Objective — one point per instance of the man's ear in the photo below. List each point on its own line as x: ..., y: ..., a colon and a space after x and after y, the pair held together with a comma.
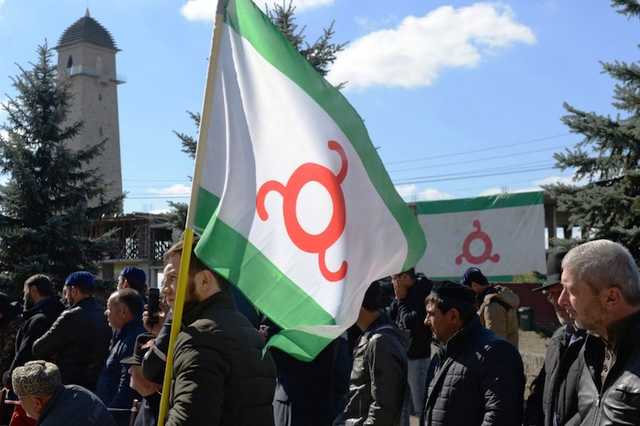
x: 452, y: 315
x: 611, y: 298
x: 206, y: 282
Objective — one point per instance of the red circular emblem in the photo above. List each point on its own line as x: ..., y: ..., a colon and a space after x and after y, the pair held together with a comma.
x: 311, y: 243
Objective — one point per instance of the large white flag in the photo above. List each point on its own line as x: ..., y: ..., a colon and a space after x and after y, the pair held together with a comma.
x: 503, y: 235
x: 306, y: 216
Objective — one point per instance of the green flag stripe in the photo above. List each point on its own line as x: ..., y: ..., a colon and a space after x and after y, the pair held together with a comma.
x: 480, y: 203
x: 268, y: 288
x: 206, y: 205
x: 249, y: 22
x: 298, y: 344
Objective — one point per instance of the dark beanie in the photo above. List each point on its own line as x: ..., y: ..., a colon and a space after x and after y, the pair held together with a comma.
x: 475, y: 275
x: 134, y: 275
x: 84, y: 280
x: 447, y: 290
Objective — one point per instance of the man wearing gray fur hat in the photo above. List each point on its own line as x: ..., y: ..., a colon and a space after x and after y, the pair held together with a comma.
x: 39, y: 386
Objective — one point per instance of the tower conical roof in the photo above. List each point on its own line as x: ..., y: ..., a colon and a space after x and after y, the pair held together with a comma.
x: 87, y: 29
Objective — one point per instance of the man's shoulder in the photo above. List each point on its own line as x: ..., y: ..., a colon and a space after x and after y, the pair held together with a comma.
x: 488, y: 343
x: 216, y: 327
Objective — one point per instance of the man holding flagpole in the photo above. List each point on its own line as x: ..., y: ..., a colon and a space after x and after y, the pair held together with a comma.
x: 220, y: 375
x: 290, y: 199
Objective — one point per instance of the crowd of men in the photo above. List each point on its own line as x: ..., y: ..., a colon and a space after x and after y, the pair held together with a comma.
x: 85, y: 364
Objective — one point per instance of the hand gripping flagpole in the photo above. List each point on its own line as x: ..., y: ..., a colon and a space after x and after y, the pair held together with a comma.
x: 185, y: 258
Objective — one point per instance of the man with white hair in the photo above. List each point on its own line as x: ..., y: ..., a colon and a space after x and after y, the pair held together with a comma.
x: 601, y: 291
x: 38, y: 385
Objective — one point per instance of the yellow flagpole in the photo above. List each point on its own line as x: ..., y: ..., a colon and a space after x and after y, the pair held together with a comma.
x: 185, y: 259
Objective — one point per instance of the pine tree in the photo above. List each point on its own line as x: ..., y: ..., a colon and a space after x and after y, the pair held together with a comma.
x: 608, y: 159
x: 321, y: 55
x: 51, y: 195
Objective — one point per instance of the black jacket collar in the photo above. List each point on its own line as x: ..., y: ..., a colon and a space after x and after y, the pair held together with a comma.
x: 220, y: 300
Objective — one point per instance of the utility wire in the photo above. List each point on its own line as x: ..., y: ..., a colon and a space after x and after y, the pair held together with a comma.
x: 431, y: 180
x: 474, y: 151
x: 495, y: 157
x: 505, y: 168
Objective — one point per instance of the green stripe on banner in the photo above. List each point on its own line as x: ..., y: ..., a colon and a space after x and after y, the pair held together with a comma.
x: 267, y: 287
x: 480, y: 203
x: 206, y: 205
x: 255, y: 27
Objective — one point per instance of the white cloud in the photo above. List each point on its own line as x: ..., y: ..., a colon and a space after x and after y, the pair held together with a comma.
x: 204, y: 10
x: 550, y: 180
x: 415, y: 52
x: 492, y: 191
x: 432, y: 194
x: 407, y: 192
x: 177, y: 189
x: 412, y: 193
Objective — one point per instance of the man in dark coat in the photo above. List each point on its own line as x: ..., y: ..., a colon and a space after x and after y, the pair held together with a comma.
x: 78, y: 340
x: 553, y: 399
x: 407, y: 311
x: 379, y: 372
x: 220, y: 375
x: 308, y: 393
x: 41, y: 308
x: 476, y: 378
x: 124, y: 314
x: 44, y: 398
x: 601, y: 291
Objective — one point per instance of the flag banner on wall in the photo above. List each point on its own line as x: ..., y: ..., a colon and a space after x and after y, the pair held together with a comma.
x: 503, y: 235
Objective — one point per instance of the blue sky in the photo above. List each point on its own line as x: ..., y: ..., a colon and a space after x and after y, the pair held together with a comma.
x: 451, y: 91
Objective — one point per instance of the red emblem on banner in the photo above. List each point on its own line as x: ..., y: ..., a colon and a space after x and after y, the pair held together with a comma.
x: 477, y: 234
x: 312, y: 243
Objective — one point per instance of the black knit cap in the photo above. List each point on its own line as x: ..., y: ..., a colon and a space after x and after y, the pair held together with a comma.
x: 447, y: 290
x: 475, y: 275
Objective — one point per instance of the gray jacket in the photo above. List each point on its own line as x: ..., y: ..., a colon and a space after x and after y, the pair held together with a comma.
x: 73, y: 405
x: 378, y: 376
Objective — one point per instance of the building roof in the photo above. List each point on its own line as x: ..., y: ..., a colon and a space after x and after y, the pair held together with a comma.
x: 88, y: 30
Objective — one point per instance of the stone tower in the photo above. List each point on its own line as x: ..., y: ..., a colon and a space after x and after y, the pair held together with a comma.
x: 87, y: 58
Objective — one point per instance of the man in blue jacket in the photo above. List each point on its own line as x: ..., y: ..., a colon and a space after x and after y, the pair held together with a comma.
x: 124, y: 313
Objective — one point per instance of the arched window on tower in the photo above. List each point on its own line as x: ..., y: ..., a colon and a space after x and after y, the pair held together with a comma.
x: 69, y: 64
x: 99, y: 66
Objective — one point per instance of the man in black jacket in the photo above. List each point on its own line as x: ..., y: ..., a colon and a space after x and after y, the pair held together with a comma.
x: 553, y: 399
x: 41, y: 308
x: 78, y: 340
x: 475, y: 378
x: 407, y: 311
x: 220, y: 375
x: 601, y: 290
x: 379, y: 372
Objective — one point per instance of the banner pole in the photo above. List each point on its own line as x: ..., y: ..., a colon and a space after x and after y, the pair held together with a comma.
x: 188, y: 235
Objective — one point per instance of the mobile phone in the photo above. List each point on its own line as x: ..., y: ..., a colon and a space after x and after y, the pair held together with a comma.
x: 153, y: 305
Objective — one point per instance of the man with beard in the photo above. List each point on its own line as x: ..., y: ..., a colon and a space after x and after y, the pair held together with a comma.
x: 601, y: 291
x: 41, y: 308
x: 554, y: 392
x: 220, y: 374
x: 79, y: 339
